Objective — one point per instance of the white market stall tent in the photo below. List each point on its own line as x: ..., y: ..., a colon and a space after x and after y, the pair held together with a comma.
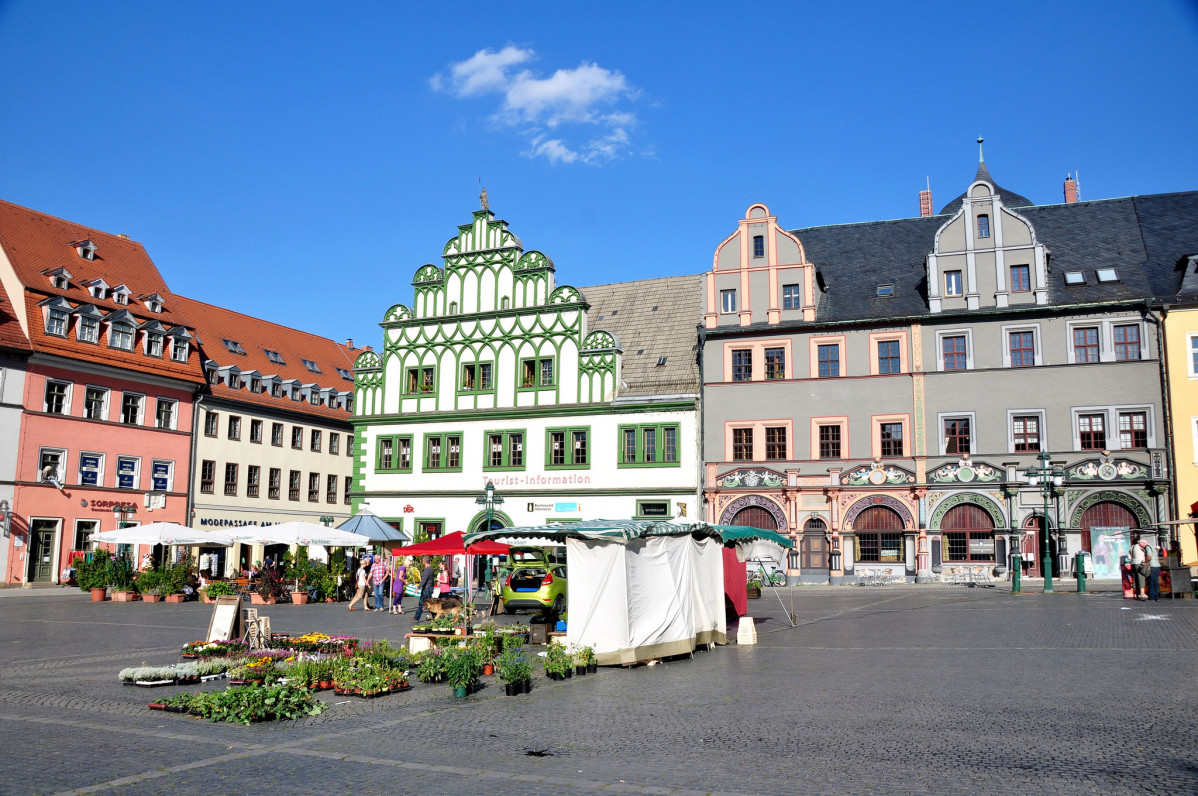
x: 639, y: 590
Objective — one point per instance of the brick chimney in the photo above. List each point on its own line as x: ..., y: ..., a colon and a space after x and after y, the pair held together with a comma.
x: 1070, y: 189
x: 925, y: 201
x: 349, y: 343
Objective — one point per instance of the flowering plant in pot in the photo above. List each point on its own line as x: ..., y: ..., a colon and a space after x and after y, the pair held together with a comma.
x: 432, y: 665
x: 268, y: 589
x: 462, y: 668
x: 557, y: 662
x: 217, y: 588
x: 584, y: 659
x: 515, y: 670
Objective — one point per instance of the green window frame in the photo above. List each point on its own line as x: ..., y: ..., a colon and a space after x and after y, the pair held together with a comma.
x: 568, y: 448
x: 421, y: 380
x: 393, y: 453
x: 538, y: 373
x: 476, y: 377
x: 648, y: 445
x: 443, y: 452
x: 505, y: 450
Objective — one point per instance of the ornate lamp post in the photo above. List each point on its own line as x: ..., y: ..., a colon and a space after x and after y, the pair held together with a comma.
x: 1047, y: 479
x: 489, y: 499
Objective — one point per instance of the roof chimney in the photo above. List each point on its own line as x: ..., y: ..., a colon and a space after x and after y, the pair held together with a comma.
x: 925, y: 201
x: 349, y: 343
x: 1070, y: 189
x: 122, y: 236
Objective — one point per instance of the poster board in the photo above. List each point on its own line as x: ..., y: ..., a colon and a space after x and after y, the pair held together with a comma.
x: 226, y: 619
x: 1108, y: 545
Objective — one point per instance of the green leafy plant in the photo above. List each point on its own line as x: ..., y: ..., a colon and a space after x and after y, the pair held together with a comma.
x: 584, y: 655
x: 121, y: 574
x: 557, y: 659
x: 149, y: 581
x: 91, y: 571
x: 514, y: 665
x: 432, y: 665
x: 218, y: 588
x: 462, y: 667
x: 246, y: 704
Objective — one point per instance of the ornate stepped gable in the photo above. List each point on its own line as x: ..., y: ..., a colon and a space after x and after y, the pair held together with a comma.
x: 489, y: 329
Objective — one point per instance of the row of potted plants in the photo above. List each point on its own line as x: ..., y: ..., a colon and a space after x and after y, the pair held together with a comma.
x: 246, y: 704
x: 561, y: 662
x: 175, y: 673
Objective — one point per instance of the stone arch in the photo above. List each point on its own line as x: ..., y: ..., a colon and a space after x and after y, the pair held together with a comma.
x: 981, y: 501
x: 1111, y: 496
x: 879, y: 500
x: 754, y: 500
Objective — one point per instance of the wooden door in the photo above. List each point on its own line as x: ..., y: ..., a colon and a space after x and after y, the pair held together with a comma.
x: 813, y: 551
x: 41, y: 550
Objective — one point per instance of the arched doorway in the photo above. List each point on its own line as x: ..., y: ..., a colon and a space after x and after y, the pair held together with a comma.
x: 1106, y: 515
x: 968, y: 533
x: 879, y: 532
x: 813, y: 547
x: 755, y: 517
x: 1033, y: 546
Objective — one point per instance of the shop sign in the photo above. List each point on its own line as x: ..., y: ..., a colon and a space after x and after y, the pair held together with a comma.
x: 553, y: 508
x: 161, y: 475
x: 126, y: 473
x: 655, y: 509
x: 89, y: 470
x: 982, y: 548
x: 220, y: 522
x: 109, y: 505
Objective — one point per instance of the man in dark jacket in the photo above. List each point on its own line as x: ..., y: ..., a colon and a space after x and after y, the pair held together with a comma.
x: 428, y: 579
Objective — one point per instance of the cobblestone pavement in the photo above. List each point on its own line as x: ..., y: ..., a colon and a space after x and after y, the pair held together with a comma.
x: 930, y: 689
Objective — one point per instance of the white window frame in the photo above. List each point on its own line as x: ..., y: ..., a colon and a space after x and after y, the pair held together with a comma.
x: 941, y: 334
x: 1106, y: 338
x: 116, y: 481
x: 961, y: 292
x: 91, y: 324
x: 1112, y: 423
x: 1034, y: 328
x: 170, y: 478
x: 99, y: 470
x: 973, y: 430
x: 66, y: 400
x: 1094, y: 323
x: 1192, y: 354
x: 61, y: 472
x: 179, y: 350
x: 106, y: 407
x: 1038, y: 413
x: 141, y: 408
x: 1074, y: 421
x: 174, y: 424
x: 724, y: 295
x: 1149, y: 422
x: 50, y: 318
x: 1194, y: 438
x: 150, y: 338
x: 112, y: 333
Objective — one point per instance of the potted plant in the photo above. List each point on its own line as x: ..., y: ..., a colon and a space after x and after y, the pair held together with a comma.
x: 584, y: 658
x: 432, y: 665
x: 174, y: 578
x: 298, y: 573
x: 266, y: 591
x: 753, y: 588
x: 557, y: 662
x: 91, y: 573
x: 462, y: 670
x: 120, y: 579
x: 217, y: 588
x: 515, y: 670
x: 149, y: 583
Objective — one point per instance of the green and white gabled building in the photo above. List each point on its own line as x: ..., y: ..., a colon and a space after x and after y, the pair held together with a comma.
x: 575, y: 403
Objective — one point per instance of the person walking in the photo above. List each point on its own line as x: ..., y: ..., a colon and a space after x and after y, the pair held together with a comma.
x: 427, y: 578
x: 362, y: 577
x: 443, y: 581
x: 378, y: 579
x: 1154, y: 570
x: 399, y: 579
x: 1142, y: 557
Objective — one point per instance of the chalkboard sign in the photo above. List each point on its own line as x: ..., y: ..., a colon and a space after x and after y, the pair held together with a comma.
x: 226, y: 619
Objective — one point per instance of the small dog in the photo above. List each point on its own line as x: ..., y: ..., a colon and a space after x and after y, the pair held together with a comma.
x: 443, y: 605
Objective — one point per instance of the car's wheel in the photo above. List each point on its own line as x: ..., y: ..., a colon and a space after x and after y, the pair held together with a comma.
x: 508, y: 609
x: 559, y: 604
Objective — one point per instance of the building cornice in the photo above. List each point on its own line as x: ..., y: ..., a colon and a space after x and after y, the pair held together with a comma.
x: 524, y: 412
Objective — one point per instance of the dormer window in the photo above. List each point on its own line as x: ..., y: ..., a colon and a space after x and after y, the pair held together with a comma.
x: 295, y: 393
x: 179, y: 350
x: 983, y: 226
x: 255, y: 385
x: 120, y: 294
x: 154, y: 344
x: 85, y: 249
x: 349, y: 403
x: 56, y: 322
x: 233, y: 347
x: 274, y: 356
x: 234, y: 381
x: 153, y: 302
x: 276, y: 390
x: 310, y: 365
x: 88, y: 330
x: 314, y: 398
x: 120, y: 336
x: 98, y: 288
x: 345, y: 374
x: 213, y: 376
x: 60, y: 278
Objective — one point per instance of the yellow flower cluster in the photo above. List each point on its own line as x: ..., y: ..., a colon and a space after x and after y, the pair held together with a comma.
x: 259, y: 663
x: 313, y: 637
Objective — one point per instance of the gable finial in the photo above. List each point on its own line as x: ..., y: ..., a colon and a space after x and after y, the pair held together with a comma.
x: 981, y: 157
x: 482, y: 197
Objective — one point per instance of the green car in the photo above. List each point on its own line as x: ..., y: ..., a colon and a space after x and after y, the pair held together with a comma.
x: 535, y: 586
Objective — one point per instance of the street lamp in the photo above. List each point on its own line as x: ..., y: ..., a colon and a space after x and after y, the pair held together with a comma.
x: 1047, y: 479
x: 490, y: 499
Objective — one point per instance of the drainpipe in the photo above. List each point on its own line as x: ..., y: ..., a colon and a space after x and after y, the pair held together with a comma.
x: 700, y: 482
x: 196, y: 405
x: 1162, y: 348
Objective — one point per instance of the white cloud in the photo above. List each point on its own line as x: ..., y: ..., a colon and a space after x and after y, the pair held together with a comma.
x: 566, y: 103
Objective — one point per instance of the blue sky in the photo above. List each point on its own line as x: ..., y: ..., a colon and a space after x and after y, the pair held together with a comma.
x: 299, y: 161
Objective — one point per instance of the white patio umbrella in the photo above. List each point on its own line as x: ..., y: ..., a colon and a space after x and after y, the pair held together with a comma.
x: 298, y: 532
x: 165, y: 533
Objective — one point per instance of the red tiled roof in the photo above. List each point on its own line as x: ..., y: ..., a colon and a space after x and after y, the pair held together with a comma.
x: 11, y: 335
x: 36, y: 243
x: 214, y: 325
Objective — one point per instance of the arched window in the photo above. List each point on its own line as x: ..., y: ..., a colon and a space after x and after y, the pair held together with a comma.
x: 968, y: 534
x: 879, y: 535
x: 1106, y: 515
x: 814, y: 525
x: 755, y: 517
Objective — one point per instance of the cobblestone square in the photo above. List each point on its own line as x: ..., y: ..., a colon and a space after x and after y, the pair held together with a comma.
x: 942, y: 689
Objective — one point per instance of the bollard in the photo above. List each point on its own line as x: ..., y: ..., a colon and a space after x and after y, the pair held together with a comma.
x: 1080, y: 570
x: 1016, y: 573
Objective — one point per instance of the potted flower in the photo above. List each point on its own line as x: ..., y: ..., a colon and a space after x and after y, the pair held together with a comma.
x: 515, y: 670
x: 267, y: 590
x: 432, y: 665
x: 91, y: 573
x: 753, y: 588
x: 298, y: 573
x: 462, y: 670
x: 584, y: 659
x: 557, y: 662
x: 217, y: 588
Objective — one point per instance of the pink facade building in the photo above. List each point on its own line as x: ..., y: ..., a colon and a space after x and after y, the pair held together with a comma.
x: 109, y: 390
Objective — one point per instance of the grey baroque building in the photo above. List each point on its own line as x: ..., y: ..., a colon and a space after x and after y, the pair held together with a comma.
x: 878, y: 390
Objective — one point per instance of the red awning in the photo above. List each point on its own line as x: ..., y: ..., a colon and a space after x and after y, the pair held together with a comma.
x: 451, y: 544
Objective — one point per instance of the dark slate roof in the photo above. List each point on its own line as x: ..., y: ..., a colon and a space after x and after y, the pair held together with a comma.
x: 1009, y: 198
x: 1145, y: 238
x: 652, y: 318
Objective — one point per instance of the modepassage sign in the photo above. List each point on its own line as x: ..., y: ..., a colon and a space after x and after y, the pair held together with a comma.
x: 225, y: 616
